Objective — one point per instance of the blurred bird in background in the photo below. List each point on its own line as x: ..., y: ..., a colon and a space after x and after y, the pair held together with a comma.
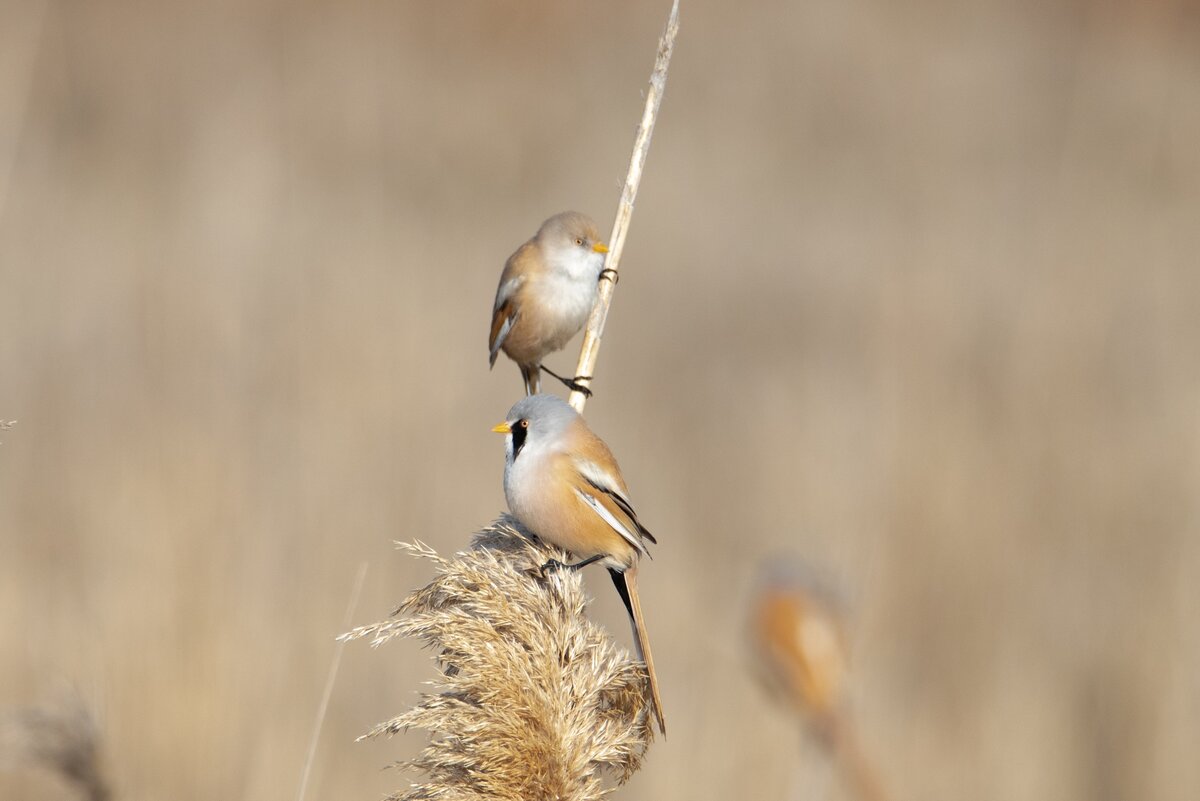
x: 797, y: 628
x: 546, y: 292
x: 563, y: 484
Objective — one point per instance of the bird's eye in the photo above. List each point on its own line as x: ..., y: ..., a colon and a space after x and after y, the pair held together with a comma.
x: 524, y: 424
x: 579, y: 242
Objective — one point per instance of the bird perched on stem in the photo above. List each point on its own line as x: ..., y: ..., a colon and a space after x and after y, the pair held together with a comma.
x: 546, y: 292
x: 563, y: 484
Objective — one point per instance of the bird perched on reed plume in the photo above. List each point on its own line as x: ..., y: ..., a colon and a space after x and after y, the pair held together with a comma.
x: 563, y: 484
x: 546, y: 292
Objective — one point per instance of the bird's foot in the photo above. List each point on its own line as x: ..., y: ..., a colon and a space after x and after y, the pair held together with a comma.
x: 574, y: 385
x: 554, y: 565
x: 570, y: 383
x: 613, y: 275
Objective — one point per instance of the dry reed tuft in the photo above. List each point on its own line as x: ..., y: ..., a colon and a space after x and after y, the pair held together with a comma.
x: 59, y: 737
x: 534, y: 700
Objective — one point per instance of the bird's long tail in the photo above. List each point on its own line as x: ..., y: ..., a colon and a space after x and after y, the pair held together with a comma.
x: 626, y: 582
x: 532, y: 374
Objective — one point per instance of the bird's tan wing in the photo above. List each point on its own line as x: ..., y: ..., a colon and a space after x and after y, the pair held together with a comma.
x: 503, y: 319
x: 602, y: 488
x: 507, y: 308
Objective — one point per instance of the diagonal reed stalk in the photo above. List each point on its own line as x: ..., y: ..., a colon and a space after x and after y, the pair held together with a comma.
x: 594, y: 331
x: 534, y: 700
x: 330, y: 679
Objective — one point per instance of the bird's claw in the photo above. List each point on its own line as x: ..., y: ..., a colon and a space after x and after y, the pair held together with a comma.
x: 574, y: 385
x: 570, y: 383
x: 552, y: 566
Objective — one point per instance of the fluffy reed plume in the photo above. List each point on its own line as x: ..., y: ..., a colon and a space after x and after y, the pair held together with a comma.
x: 534, y: 700
x: 59, y: 737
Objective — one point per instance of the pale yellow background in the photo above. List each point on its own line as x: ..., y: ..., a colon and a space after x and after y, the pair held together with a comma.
x: 912, y: 290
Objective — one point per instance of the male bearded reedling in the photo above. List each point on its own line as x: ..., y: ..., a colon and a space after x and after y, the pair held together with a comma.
x: 563, y: 484
x: 546, y: 292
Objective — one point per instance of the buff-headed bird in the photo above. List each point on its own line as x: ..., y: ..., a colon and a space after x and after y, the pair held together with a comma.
x: 546, y: 293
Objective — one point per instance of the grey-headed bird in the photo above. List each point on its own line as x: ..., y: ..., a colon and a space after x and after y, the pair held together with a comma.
x: 563, y: 484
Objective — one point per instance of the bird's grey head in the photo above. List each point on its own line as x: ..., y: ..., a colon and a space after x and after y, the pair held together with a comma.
x: 572, y: 242
x: 536, y: 421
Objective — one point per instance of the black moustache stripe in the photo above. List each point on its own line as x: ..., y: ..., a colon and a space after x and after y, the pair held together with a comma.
x: 519, y: 432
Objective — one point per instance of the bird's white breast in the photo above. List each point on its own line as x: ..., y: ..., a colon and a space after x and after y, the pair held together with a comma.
x: 523, y: 486
x: 568, y: 293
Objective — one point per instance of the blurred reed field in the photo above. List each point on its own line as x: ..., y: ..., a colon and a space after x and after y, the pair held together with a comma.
x: 911, y: 292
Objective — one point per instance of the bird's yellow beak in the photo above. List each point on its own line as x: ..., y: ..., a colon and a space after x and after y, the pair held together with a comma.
x: 600, y: 247
x: 502, y: 428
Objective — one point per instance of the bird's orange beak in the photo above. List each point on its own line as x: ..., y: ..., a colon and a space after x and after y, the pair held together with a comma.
x: 600, y: 247
x: 502, y: 428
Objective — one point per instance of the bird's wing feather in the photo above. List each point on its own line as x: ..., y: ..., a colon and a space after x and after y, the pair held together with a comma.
x: 609, y: 491
x: 504, y: 313
x: 508, y: 288
x: 598, y: 505
x: 502, y: 322
x: 506, y: 309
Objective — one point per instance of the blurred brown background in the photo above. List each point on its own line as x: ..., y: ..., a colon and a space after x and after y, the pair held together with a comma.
x: 912, y: 291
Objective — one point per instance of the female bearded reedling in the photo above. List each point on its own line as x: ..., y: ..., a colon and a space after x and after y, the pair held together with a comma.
x: 563, y: 484
x: 546, y: 292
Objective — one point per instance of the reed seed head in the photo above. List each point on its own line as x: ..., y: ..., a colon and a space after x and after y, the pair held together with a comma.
x: 533, y: 700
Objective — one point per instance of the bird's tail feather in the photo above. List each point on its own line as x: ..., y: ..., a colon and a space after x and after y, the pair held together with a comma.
x: 626, y: 583
x: 533, y: 378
